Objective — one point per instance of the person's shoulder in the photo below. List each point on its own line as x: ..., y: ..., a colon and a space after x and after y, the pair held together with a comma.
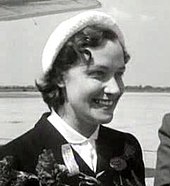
x: 124, y: 140
x: 166, y: 117
x: 109, y: 130
x: 165, y: 127
x: 120, y: 134
x: 24, y: 142
x: 14, y: 146
x: 111, y: 134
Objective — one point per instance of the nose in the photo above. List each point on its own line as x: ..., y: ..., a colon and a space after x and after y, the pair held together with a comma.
x: 112, y: 86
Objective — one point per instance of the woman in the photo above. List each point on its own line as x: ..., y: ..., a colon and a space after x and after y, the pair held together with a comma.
x: 83, y: 63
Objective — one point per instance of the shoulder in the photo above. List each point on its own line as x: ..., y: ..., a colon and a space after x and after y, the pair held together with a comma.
x: 165, y: 127
x: 23, y: 143
x: 120, y: 140
x: 163, y: 153
x: 112, y: 134
x: 25, y: 148
x: 167, y: 116
x: 19, y: 149
x: 123, y: 139
x: 166, y: 120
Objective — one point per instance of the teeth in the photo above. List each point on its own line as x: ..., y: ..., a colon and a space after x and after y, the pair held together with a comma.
x: 104, y: 102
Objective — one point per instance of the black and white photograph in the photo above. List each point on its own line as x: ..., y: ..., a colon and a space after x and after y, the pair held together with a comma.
x: 84, y: 93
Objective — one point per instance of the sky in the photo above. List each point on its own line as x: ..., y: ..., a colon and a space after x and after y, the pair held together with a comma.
x: 144, y: 23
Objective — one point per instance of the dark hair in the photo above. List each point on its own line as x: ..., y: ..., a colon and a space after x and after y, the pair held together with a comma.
x: 74, y: 51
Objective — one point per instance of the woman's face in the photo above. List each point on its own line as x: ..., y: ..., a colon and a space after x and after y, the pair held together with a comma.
x: 93, y: 91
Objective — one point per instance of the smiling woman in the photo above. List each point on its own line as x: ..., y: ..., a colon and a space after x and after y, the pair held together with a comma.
x: 83, y: 63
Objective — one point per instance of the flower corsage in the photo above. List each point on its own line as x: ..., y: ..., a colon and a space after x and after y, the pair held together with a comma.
x: 120, y: 164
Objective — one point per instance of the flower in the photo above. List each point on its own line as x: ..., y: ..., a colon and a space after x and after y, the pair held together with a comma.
x: 11, y: 177
x: 118, y: 164
x: 5, y: 170
x: 49, y: 172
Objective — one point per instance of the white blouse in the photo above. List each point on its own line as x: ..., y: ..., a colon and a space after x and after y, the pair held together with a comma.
x: 85, y: 147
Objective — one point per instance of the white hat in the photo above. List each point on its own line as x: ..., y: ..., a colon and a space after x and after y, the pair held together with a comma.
x: 68, y: 28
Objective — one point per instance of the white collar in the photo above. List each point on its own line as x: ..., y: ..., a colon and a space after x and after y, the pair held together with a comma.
x: 70, y: 134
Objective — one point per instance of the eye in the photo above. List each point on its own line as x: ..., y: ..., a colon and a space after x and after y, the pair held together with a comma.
x: 120, y: 73
x: 98, y: 74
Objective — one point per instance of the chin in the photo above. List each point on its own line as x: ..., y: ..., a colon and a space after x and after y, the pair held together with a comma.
x: 105, y: 119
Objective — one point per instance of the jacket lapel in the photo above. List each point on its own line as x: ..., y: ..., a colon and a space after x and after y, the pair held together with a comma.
x: 108, y: 145
x: 52, y: 139
x: 103, y: 152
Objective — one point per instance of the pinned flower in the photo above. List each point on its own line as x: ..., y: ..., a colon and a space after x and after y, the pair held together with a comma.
x: 118, y: 163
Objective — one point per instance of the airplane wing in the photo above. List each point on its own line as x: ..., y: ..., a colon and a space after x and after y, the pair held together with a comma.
x: 18, y: 9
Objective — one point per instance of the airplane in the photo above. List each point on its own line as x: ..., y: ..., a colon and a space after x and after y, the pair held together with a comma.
x: 19, y: 9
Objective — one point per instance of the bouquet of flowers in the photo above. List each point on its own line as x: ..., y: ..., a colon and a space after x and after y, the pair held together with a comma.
x: 50, y: 173
x: 11, y: 177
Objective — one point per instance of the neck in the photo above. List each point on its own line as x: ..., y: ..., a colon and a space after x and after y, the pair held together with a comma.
x: 84, y: 128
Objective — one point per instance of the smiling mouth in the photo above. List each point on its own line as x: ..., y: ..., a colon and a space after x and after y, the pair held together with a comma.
x: 104, y: 102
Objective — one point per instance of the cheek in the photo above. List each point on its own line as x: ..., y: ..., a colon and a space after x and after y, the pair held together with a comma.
x: 84, y: 91
x: 92, y: 88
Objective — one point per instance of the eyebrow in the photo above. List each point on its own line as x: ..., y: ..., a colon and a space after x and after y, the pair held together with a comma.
x: 92, y: 67
x: 121, y: 69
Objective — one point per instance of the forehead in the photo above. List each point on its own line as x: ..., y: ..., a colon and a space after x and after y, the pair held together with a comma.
x: 109, y: 55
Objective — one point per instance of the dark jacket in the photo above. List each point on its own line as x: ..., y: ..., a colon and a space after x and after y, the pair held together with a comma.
x: 110, y: 144
x: 162, y: 176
